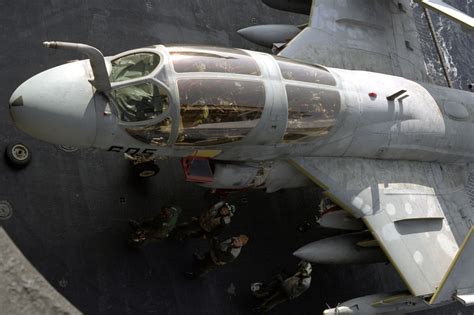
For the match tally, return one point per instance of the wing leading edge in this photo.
(418, 212)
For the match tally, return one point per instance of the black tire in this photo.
(145, 170)
(18, 155)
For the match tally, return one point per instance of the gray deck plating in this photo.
(22, 289)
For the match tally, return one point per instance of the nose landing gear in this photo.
(143, 166)
(147, 169)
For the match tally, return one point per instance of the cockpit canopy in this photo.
(313, 101)
(133, 66)
(231, 61)
(203, 96)
(216, 111)
(139, 101)
(211, 110)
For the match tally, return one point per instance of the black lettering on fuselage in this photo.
(131, 151)
(115, 148)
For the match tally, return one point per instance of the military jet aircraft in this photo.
(346, 104)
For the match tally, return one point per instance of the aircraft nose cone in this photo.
(57, 106)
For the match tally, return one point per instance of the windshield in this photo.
(133, 66)
(215, 111)
(139, 102)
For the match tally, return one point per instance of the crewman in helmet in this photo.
(156, 228)
(283, 290)
(219, 254)
(210, 223)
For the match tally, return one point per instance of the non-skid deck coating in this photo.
(70, 210)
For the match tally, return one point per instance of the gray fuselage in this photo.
(425, 123)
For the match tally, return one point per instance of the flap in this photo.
(459, 279)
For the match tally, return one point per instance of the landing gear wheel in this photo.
(145, 170)
(18, 155)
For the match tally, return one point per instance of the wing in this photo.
(418, 212)
(450, 12)
(371, 35)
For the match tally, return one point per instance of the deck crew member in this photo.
(285, 290)
(156, 228)
(220, 254)
(210, 223)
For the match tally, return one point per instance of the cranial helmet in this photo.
(231, 208)
(305, 268)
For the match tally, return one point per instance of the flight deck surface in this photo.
(71, 209)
